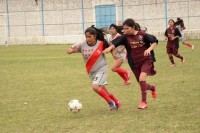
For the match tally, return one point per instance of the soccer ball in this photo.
(74, 106)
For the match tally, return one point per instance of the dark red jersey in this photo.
(172, 32)
(135, 46)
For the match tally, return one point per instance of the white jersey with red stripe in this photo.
(121, 54)
(87, 51)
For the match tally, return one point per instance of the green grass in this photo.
(37, 82)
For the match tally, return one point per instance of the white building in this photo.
(64, 21)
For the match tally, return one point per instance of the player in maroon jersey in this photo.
(139, 46)
(172, 36)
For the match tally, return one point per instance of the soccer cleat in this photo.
(128, 78)
(118, 104)
(153, 93)
(112, 105)
(127, 82)
(172, 65)
(142, 105)
(192, 47)
(183, 60)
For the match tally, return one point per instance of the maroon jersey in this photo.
(135, 46)
(172, 32)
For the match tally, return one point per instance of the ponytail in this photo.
(101, 36)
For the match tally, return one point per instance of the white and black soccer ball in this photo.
(75, 106)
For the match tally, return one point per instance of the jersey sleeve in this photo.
(178, 33)
(166, 33)
(149, 39)
(78, 46)
(119, 41)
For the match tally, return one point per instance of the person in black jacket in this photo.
(139, 46)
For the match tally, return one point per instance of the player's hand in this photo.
(147, 52)
(107, 50)
(72, 49)
(75, 47)
(172, 38)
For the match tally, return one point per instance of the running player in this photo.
(172, 36)
(180, 25)
(139, 46)
(96, 64)
(119, 55)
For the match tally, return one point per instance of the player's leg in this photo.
(140, 77)
(176, 54)
(113, 97)
(184, 42)
(116, 67)
(146, 69)
(169, 52)
(97, 85)
(143, 87)
(124, 74)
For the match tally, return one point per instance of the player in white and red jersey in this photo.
(180, 25)
(119, 55)
(96, 64)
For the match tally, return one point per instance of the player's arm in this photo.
(153, 41)
(73, 49)
(178, 34)
(121, 48)
(109, 49)
(166, 35)
(115, 43)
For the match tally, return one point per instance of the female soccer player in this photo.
(172, 36)
(180, 25)
(96, 64)
(139, 46)
(119, 55)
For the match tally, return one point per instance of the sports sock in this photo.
(143, 87)
(122, 73)
(104, 95)
(150, 87)
(114, 98)
(188, 44)
(171, 59)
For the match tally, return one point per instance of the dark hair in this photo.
(114, 26)
(137, 26)
(117, 28)
(105, 30)
(99, 35)
(130, 22)
(36, 2)
(180, 22)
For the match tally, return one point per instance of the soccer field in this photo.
(38, 81)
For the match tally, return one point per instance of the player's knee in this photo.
(113, 69)
(170, 55)
(95, 87)
(142, 77)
